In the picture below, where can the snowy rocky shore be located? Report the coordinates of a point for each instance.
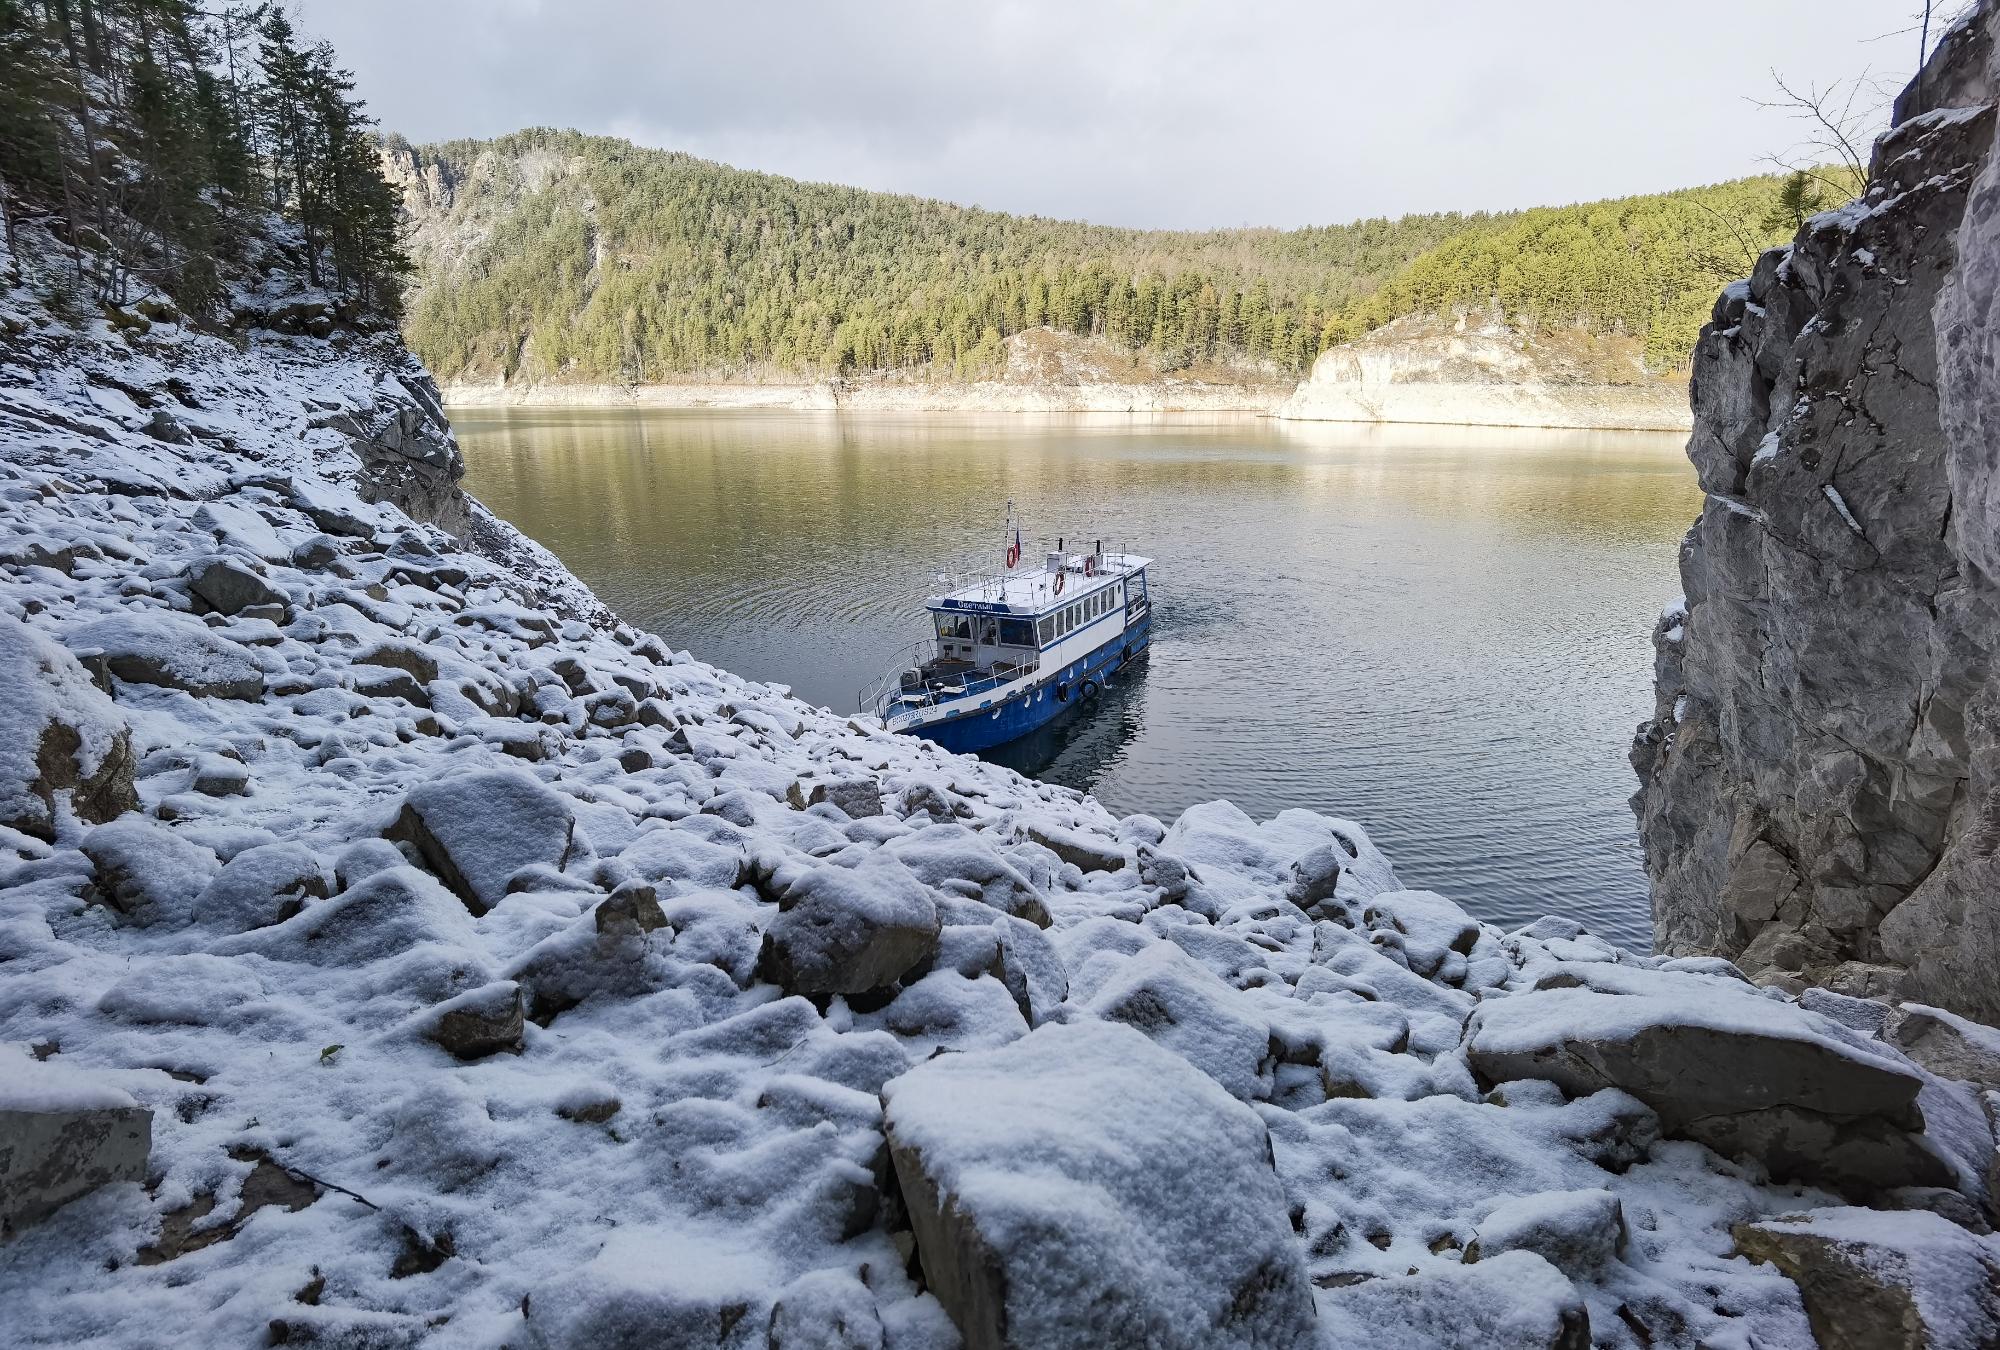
(396, 949)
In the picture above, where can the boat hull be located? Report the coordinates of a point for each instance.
(984, 728)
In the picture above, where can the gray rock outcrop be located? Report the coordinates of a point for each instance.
(1818, 782)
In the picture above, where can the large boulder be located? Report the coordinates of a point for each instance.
(230, 587)
(1946, 1044)
(63, 1134)
(1885, 1281)
(146, 872)
(1083, 1187)
(171, 650)
(263, 885)
(847, 930)
(476, 830)
(1748, 1075)
(382, 915)
(61, 737)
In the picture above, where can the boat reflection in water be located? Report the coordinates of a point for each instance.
(1076, 751)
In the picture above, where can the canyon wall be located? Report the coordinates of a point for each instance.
(1817, 792)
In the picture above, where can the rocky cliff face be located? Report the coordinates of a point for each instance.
(1478, 371)
(1818, 792)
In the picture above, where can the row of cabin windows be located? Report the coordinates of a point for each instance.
(1072, 617)
(990, 631)
(987, 630)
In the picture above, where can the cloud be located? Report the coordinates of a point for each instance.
(1158, 114)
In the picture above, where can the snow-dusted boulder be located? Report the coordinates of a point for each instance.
(1517, 1301)
(1083, 1187)
(230, 587)
(172, 650)
(1876, 1281)
(1574, 1231)
(63, 1133)
(263, 885)
(479, 1022)
(60, 735)
(1948, 1045)
(382, 915)
(146, 872)
(1745, 1074)
(1173, 1000)
(657, 1286)
(844, 930)
(476, 830)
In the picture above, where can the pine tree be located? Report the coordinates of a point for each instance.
(1801, 196)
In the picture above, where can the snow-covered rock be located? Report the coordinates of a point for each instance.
(478, 831)
(61, 737)
(63, 1133)
(847, 930)
(1082, 1187)
(1750, 1076)
(1872, 1281)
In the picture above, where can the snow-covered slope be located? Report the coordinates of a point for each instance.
(493, 975)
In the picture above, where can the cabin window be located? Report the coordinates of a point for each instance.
(1017, 633)
(989, 632)
(1048, 630)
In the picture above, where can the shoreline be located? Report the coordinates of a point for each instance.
(1500, 406)
(827, 396)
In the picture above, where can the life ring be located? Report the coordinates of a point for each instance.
(1059, 582)
(1013, 555)
(1090, 565)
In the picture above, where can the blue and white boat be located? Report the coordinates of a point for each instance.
(1014, 652)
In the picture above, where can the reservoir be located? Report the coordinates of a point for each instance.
(1443, 633)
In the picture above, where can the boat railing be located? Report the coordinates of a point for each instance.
(893, 695)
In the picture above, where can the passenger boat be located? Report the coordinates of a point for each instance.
(1013, 652)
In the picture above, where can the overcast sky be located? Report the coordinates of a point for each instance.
(1265, 112)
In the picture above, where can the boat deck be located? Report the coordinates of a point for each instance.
(940, 681)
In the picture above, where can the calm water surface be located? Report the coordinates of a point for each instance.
(1441, 633)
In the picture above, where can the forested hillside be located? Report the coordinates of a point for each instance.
(549, 255)
(172, 149)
